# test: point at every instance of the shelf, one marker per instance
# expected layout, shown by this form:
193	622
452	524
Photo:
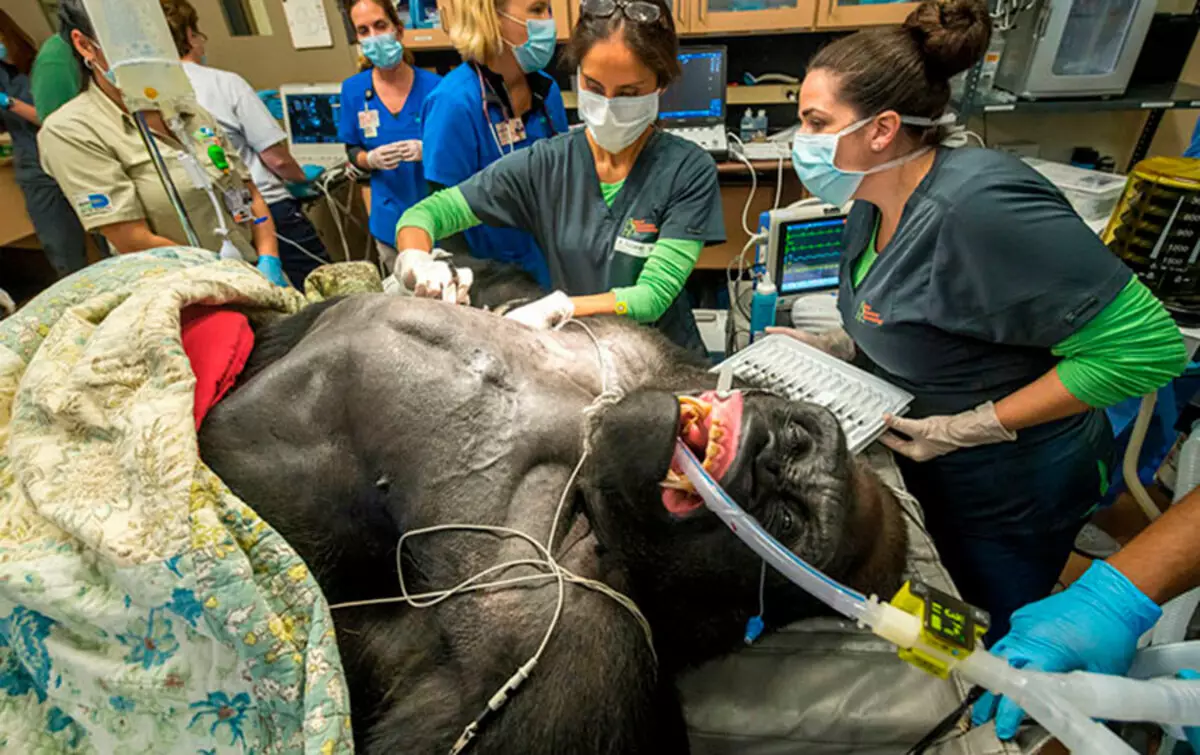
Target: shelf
762	94
1161	97
427	39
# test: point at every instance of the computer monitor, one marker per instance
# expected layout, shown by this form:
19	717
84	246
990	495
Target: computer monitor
806	254
311	113
698	96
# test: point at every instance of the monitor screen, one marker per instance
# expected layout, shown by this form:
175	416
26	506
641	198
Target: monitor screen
700	91
808	254
313	118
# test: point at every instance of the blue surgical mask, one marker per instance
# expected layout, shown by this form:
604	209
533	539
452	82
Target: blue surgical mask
4	51
383	50
813	158
535	53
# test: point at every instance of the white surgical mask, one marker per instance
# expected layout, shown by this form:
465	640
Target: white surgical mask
617	122
813	158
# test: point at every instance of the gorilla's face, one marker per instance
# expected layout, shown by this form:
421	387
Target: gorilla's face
784	462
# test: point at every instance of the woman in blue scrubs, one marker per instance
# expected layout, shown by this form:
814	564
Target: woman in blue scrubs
497	102
381	119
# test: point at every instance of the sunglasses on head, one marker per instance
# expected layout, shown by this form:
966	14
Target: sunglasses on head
634	10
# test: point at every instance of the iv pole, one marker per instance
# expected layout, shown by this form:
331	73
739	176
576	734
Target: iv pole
168	185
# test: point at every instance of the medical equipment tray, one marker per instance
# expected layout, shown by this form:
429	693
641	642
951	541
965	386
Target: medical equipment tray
800	372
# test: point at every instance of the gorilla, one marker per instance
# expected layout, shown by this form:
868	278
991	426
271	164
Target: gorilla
360	419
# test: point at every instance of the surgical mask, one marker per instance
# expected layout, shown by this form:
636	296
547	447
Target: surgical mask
618	122
813	158
535	53
3	51
383	50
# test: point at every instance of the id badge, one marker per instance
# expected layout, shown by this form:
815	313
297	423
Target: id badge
237	201
503	135
516	130
368	121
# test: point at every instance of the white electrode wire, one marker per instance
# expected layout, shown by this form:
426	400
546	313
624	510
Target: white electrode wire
337	219
608	396
779	184
285	239
741	155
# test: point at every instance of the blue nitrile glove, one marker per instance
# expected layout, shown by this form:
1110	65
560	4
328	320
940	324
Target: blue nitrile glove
4	101
1192	732
272	268
1093	625
306	190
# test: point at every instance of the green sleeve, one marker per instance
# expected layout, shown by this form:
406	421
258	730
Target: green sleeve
441	215
666	270
55	79
1131	348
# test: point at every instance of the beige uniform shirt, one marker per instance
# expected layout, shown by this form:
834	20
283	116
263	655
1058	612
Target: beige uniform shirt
93	150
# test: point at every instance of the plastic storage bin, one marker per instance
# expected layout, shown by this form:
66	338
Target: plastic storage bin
1093	194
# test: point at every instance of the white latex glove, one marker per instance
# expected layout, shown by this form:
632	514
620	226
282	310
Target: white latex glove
545	313
428	275
935	436
836	342
410	150
386	156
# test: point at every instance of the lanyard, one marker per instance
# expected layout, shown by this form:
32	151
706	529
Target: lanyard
487	116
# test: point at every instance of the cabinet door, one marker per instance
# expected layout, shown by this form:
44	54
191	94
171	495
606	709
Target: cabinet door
563	20
750	15
862	12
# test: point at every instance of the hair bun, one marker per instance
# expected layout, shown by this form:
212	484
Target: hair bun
951	34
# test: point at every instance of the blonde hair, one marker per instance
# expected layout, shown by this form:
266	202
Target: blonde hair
474	27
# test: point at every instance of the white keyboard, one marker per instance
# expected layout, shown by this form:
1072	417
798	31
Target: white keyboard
710	138
767	150
799	372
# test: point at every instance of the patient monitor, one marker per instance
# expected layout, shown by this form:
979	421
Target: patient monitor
311	113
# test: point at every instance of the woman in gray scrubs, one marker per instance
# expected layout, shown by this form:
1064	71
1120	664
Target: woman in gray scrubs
621	209
969	281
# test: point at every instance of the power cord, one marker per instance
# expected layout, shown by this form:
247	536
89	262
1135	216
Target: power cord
609	395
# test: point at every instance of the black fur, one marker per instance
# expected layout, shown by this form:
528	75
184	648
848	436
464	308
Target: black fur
368	417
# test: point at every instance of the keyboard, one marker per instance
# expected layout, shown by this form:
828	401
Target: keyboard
710	138
799	372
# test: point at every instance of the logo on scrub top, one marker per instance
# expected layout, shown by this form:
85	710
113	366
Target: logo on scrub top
868	316
93	204
635	227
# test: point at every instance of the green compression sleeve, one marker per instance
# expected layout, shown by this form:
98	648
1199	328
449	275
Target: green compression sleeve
443	214
666	270
1130	349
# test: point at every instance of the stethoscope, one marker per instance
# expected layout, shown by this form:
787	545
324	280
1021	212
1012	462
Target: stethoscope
489	97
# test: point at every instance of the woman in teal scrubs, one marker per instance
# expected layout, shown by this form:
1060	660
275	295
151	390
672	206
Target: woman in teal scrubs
968	280
496	103
620	208
381	119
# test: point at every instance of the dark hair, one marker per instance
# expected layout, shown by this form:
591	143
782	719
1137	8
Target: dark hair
908	68
21	48
181	18
655	43
393	15
72	16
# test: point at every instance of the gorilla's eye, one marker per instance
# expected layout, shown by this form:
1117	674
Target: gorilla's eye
785	522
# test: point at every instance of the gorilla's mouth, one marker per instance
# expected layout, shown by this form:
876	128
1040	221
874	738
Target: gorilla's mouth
710	426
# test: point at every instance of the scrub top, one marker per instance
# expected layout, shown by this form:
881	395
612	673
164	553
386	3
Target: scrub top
989	269
24	133
553	191
92	148
392	191
460	142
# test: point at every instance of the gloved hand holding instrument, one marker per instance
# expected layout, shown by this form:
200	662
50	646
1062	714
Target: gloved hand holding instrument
420	273
935	436
545	313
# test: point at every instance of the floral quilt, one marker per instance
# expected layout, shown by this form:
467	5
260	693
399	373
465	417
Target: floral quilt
143	607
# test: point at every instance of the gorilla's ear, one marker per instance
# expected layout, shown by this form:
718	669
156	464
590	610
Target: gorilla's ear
632	442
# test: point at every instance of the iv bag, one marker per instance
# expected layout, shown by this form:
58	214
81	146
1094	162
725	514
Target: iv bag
141	54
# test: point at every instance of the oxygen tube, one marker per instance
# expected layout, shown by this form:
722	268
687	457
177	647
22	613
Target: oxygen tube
1063	703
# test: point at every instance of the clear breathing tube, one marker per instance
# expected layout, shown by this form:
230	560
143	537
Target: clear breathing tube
1063	703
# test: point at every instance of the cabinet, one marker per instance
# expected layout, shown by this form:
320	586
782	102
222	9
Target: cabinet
848	13
709	16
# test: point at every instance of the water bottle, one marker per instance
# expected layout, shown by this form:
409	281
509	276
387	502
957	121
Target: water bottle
747	128
760	126
762	306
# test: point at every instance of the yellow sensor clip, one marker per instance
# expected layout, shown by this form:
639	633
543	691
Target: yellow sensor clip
950	628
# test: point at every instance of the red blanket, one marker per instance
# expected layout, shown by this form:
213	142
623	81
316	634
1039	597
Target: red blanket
217	342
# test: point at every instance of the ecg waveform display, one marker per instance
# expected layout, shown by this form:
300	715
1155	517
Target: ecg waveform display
809	252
